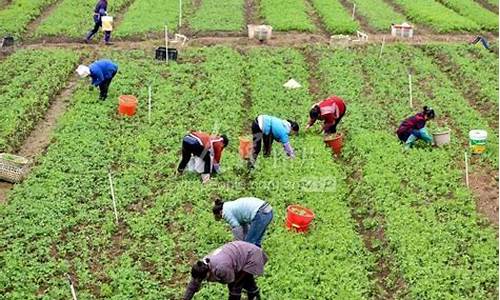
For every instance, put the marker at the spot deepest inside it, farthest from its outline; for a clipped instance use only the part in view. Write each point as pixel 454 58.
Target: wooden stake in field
pixel 382 47
pixel 73 292
pixel 466 169
pixel 149 103
pixel 353 10
pixel 166 43
pixel 411 92
pixel 113 196
pixel 180 15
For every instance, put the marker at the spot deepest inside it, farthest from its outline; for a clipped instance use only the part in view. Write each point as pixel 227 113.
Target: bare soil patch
pixel 252 14
pixel 31 28
pixel 488 6
pixel 363 22
pixel 484 184
pixel 318 23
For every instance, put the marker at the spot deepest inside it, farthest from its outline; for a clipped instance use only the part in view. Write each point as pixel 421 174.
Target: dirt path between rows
pixel 40 137
pixel 4 3
pixel 31 28
pixel 488 6
pixel 365 27
pixel 252 14
pixel 316 19
pixel 484 186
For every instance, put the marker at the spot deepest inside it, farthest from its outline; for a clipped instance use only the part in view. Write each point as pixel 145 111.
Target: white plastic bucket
pixel 107 23
pixel 442 138
pixel 477 141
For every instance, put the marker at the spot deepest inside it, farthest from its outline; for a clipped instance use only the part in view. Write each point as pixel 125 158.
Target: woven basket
pixel 13 168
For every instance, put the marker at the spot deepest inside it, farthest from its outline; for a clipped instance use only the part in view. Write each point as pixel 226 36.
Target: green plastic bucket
pixel 477 141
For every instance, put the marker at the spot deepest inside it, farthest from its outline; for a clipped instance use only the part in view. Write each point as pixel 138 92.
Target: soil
pixel 316 19
pixel 488 6
pixel 31 28
pixel 5 187
pixel 252 15
pixel 363 22
pixel 484 185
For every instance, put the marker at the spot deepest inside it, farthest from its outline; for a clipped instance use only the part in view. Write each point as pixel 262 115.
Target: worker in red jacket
pixel 203 145
pixel 330 111
pixel 413 128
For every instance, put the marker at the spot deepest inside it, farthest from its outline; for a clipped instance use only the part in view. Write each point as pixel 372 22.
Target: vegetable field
pixel 103 202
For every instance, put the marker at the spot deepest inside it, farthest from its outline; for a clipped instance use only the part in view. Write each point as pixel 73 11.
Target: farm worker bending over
pixel 102 73
pixel 203 145
pixel 99 11
pixel 267 128
pixel 234 264
pixel 248 217
pixel 330 111
pixel 413 128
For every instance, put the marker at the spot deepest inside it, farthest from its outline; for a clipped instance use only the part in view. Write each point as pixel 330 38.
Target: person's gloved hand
pixel 426 136
pixel 238 233
pixel 205 178
pixel 289 150
pixel 217 168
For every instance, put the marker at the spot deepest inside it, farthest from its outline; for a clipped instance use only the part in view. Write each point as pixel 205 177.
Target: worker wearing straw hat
pixel 330 111
pixel 102 73
pixel 235 264
pixel 99 11
pixel 413 128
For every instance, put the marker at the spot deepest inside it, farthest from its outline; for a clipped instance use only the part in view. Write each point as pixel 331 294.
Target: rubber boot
pixel 234 297
pixel 254 295
pixel 409 142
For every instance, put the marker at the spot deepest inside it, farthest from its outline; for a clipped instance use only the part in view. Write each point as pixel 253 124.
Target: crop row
pixel 378 13
pixel 427 215
pixel 15 17
pixel 219 15
pixel 335 17
pixel 285 16
pixel 24 94
pixel 437 16
pixel 486 19
pixel 73 18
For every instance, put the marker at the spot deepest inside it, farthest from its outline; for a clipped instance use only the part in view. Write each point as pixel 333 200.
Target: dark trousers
pixel 243 281
pixel 190 149
pixel 104 87
pixel 93 31
pixel 330 129
pixel 258 137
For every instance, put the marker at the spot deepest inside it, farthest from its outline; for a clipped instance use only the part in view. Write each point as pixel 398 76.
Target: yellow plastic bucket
pixel 477 141
pixel 107 23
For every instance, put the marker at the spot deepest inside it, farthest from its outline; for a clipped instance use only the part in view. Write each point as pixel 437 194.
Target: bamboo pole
pixel 166 44
pixel 382 47
pixel 411 92
pixel 73 292
pixel 353 10
pixel 149 103
pixel 113 196
pixel 180 15
pixel 466 169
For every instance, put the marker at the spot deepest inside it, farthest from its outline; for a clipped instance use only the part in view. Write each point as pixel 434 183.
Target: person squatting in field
pixel 203 145
pixel 330 111
pixel 268 128
pixel 102 73
pixel 413 128
pixel 235 264
pixel 248 217
pixel 100 10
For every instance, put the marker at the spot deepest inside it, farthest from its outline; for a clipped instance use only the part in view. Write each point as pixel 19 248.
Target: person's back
pixel 241 211
pixel 276 127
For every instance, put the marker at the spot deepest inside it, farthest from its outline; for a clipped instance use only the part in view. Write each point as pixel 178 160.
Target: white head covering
pixel 83 71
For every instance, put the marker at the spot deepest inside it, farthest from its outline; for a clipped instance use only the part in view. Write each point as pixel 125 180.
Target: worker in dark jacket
pixel 100 10
pixel 413 128
pixel 330 111
pixel 267 128
pixel 234 264
pixel 102 73
pixel 203 145
pixel 248 217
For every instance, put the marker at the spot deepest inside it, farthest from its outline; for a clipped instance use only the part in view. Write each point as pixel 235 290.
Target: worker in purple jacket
pixel 413 128
pixel 234 264
pixel 100 10
pixel 102 73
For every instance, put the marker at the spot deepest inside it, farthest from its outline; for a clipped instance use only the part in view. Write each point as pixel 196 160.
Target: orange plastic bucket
pixel 334 142
pixel 298 218
pixel 127 105
pixel 245 148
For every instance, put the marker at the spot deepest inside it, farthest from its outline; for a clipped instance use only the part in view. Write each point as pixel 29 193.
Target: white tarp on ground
pixel 292 84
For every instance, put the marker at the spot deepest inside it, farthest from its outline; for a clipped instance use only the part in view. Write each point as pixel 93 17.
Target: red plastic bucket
pixel 245 148
pixel 334 142
pixel 298 218
pixel 127 105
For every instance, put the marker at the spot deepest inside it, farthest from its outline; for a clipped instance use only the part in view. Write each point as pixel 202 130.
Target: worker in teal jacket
pixel 248 217
pixel 102 73
pixel 268 128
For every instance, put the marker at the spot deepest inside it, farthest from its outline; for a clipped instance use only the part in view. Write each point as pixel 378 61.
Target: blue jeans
pixel 258 227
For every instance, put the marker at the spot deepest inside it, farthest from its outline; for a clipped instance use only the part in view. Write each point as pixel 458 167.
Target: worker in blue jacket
pixel 102 73
pixel 100 10
pixel 267 128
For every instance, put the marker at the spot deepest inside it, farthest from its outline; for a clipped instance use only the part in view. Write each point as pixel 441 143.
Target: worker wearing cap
pixel 330 111
pixel 100 10
pixel 102 73
pixel 413 128
pixel 203 145
pixel 235 264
